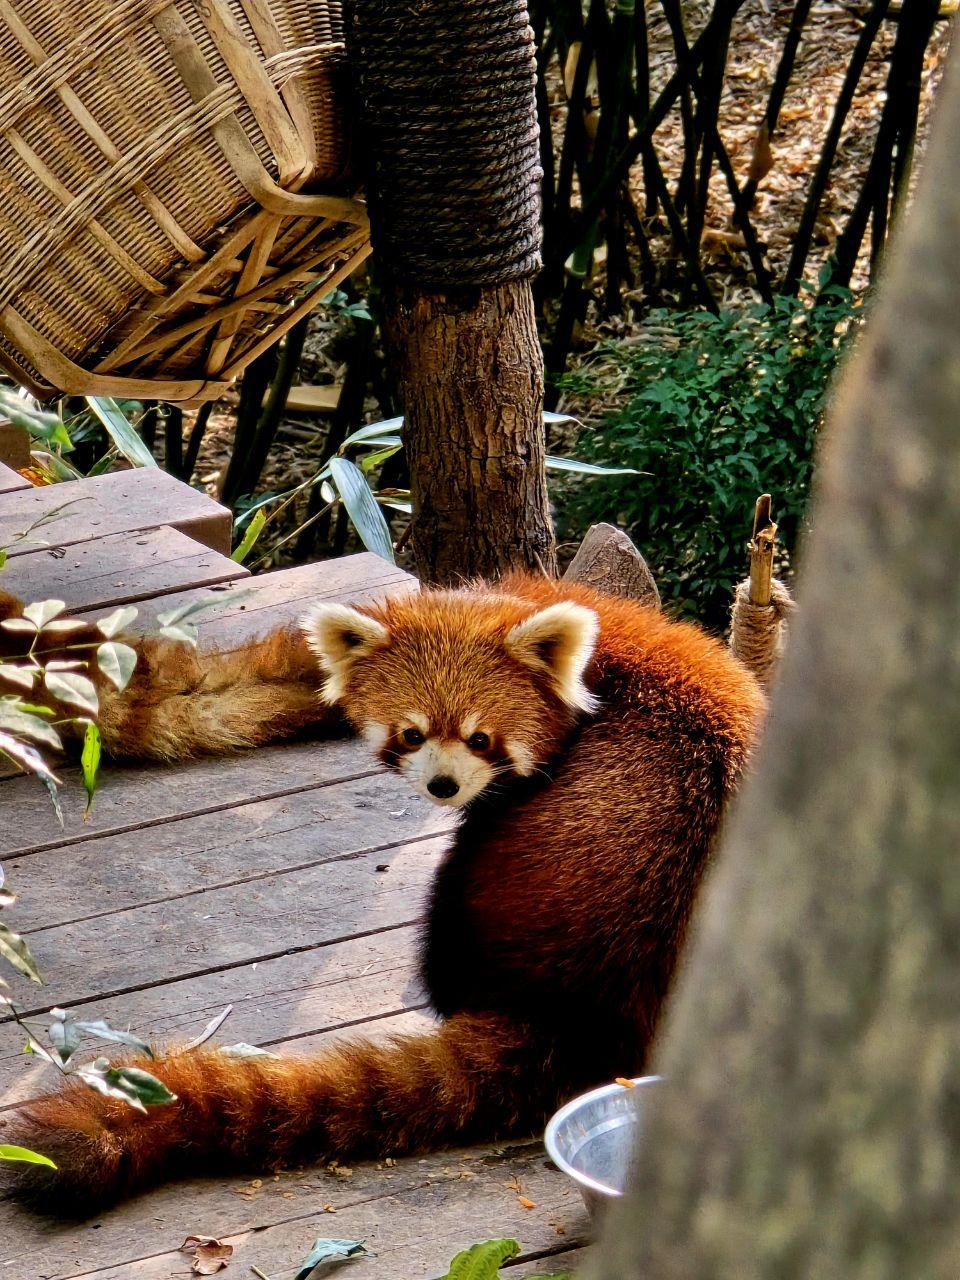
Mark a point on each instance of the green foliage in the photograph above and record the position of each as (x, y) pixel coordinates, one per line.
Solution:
(249, 539)
(717, 409)
(483, 1261)
(343, 481)
(98, 423)
(8, 1151)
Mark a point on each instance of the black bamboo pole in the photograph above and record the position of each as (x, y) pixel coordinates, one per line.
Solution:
(818, 185)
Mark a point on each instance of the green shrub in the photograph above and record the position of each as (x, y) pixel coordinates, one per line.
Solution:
(716, 410)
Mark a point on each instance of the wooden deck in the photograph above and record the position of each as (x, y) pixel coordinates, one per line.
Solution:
(284, 882)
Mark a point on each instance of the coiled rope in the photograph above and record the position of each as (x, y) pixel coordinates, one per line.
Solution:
(447, 100)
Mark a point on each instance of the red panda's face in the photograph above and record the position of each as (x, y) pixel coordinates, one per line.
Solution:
(457, 689)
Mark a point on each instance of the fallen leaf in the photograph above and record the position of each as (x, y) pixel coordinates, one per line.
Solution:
(525, 1203)
(324, 1251)
(209, 1254)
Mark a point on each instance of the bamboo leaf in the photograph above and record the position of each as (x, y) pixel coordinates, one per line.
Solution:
(121, 431)
(101, 1030)
(63, 1035)
(385, 426)
(211, 1029)
(559, 419)
(589, 468)
(254, 530)
(244, 1050)
(374, 460)
(28, 758)
(174, 616)
(139, 1089)
(185, 632)
(90, 764)
(362, 507)
(326, 1251)
(9, 1151)
(16, 952)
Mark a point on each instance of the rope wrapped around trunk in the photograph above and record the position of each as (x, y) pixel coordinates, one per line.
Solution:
(447, 98)
(758, 631)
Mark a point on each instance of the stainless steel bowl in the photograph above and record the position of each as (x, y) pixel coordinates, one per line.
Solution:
(594, 1137)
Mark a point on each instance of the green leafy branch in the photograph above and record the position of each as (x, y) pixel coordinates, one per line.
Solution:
(346, 482)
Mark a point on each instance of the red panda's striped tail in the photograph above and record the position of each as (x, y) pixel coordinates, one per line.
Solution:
(181, 703)
(475, 1076)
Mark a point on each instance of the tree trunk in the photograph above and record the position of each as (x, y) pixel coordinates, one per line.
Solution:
(811, 1127)
(471, 378)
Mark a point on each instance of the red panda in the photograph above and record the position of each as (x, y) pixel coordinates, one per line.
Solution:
(591, 745)
(178, 703)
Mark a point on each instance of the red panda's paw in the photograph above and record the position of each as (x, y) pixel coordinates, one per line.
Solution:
(90, 1139)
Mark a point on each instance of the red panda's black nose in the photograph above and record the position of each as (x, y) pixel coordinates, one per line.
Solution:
(443, 787)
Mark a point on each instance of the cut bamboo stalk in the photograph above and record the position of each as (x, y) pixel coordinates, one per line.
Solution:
(762, 545)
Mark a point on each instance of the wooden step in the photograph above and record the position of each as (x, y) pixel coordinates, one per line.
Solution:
(122, 502)
(281, 598)
(11, 481)
(120, 569)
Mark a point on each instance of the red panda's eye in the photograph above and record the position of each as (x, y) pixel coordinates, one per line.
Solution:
(478, 741)
(413, 737)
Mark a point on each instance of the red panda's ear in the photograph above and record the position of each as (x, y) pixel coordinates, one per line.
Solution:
(339, 635)
(560, 640)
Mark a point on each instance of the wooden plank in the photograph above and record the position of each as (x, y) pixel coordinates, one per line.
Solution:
(308, 398)
(116, 873)
(282, 597)
(414, 1232)
(290, 1004)
(415, 1214)
(154, 1223)
(118, 569)
(14, 445)
(330, 899)
(122, 502)
(11, 481)
(130, 799)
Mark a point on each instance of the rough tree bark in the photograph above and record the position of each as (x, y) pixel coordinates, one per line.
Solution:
(812, 1123)
(471, 377)
(447, 90)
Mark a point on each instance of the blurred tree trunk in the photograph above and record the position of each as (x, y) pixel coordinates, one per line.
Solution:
(471, 380)
(812, 1123)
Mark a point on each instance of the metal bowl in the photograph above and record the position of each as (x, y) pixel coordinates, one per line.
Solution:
(593, 1138)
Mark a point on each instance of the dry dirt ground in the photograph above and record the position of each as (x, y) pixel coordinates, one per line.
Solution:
(755, 50)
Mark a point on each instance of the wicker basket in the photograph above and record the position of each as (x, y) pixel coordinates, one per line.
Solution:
(161, 170)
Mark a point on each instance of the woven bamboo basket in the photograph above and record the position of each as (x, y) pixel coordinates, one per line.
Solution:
(175, 188)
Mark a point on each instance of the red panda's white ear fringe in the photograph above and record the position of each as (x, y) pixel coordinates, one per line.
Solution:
(560, 640)
(339, 635)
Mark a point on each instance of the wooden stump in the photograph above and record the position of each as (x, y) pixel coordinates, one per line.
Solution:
(608, 561)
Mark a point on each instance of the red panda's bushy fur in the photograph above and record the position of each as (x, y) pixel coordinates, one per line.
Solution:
(555, 919)
(179, 703)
